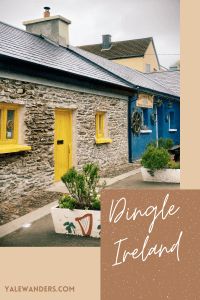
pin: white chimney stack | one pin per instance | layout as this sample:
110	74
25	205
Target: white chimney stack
55	28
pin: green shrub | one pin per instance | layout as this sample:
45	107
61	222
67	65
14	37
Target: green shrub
162	143
173	164
67	201
155	159
83	187
96	204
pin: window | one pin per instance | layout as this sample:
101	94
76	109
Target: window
100	125
147	68
172	123
101	132
9	126
145	121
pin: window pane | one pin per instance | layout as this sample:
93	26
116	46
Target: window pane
100	125
147	68
172	120
145	116
101	129
10	124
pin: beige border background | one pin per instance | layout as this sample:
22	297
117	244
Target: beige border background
78	267
81	266
190	97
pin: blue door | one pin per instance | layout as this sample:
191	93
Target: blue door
139	140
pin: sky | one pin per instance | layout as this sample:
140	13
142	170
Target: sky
123	19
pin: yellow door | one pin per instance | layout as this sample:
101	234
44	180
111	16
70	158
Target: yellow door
62	142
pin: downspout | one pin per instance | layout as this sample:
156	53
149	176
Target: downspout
156	127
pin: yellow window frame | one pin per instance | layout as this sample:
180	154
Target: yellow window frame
100	125
4	108
100	129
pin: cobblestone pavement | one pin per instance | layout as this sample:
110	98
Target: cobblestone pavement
42	234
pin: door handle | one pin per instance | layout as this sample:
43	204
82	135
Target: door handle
60	142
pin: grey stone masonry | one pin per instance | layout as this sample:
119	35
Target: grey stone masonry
23	172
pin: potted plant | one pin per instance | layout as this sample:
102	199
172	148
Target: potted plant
78	212
157	165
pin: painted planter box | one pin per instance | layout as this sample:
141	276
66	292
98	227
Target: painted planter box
166	175
77	222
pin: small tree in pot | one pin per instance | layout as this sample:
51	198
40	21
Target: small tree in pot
157	164
83	188
155	159
81	207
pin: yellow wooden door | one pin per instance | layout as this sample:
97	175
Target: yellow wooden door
62	142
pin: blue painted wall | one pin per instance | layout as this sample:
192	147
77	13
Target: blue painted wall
163	120
137	144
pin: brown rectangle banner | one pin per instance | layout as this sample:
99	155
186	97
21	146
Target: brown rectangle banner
150	245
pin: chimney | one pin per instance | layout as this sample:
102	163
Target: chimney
106	42
46	12
55	28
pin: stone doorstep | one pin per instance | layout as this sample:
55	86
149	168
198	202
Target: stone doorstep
45	210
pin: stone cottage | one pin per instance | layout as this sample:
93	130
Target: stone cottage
154	107
60	106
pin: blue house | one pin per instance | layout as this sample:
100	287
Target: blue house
154	102
156	116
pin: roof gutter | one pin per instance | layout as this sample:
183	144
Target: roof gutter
36	67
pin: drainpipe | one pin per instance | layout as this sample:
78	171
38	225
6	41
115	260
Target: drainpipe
156	127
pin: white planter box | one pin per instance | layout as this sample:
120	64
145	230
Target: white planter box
166	175
76	222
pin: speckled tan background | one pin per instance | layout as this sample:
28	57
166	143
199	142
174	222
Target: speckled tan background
82	266
156	278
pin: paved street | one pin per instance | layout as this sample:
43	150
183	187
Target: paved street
136	182
42	234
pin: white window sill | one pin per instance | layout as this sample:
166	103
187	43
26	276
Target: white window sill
146	131
172	130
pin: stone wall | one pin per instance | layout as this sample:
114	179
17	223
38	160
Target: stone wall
24	172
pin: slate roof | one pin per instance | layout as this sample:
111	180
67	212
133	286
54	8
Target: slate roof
136	78
19	44
170	79
122	49
24	46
